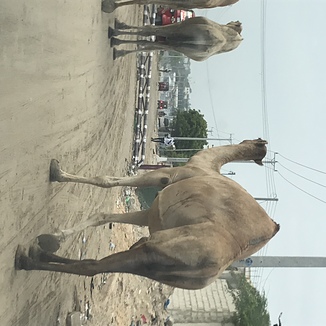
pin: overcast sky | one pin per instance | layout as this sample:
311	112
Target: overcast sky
229	90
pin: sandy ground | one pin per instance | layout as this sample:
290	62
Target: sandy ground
63	97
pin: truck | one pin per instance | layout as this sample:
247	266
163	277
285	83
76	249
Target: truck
167	16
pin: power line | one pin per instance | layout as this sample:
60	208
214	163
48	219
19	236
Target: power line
211	99
270	183
305	166
306	192
221	13
301	176
269	173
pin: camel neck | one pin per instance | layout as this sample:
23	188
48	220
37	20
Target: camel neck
216	157
240	152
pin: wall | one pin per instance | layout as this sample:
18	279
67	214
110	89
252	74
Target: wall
212	305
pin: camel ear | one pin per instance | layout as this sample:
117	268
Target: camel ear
259	162
261	142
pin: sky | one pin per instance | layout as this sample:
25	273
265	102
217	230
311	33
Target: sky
273	86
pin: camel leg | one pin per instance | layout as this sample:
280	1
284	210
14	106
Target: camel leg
146	30
143	43
36	253
124	29
158	178
121	53
116	32
49	262
51	242
145	47
121	28
116	263
136	218
109	6
165	257
120	25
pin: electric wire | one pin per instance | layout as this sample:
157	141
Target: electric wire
304	191
269	172
305	166
270	206
301	176
221	13
211	101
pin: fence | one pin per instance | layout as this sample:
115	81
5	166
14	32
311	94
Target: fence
144	67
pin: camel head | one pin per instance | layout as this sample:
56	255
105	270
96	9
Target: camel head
227	3
256	149
237	26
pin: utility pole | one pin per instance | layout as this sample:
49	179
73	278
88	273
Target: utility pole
183	150
267	161
210	131
280	261
186	159
202	138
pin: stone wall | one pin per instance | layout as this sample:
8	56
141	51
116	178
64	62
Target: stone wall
212	305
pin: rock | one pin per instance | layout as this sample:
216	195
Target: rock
73	319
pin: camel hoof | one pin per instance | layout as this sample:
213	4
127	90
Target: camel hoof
22	261
110	32
54	170
48	242
108	6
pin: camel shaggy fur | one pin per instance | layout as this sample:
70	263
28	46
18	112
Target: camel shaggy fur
199	223
198	38
110	5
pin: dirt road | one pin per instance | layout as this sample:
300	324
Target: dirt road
63	97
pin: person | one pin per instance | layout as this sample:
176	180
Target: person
144	319
279	320
166	303
168	321
166	140
165	70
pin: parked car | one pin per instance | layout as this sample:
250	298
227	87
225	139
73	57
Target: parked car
163	86
161	105
165	122
167	16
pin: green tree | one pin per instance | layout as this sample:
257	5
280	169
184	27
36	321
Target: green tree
190	124
251	306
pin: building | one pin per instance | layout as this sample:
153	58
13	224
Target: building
211	306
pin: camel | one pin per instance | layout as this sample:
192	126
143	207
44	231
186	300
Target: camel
199	223
198	38
110	5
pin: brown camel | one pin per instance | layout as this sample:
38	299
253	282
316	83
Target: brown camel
198	38
110	5
199	223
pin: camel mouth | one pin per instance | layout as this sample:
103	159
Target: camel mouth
259	162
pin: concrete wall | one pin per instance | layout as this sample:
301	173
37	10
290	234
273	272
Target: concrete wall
210	306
